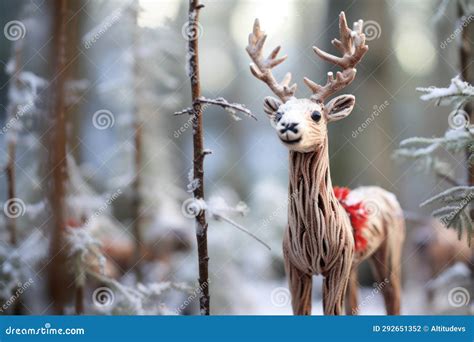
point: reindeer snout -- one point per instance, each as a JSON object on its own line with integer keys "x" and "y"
{"x": 289, "y": 132}
{"x": 284, "y": 127}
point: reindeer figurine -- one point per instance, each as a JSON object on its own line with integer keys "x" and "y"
{"x": 319, "y": 239}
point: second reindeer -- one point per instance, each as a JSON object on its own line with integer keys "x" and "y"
{"x": 328, "y": 233}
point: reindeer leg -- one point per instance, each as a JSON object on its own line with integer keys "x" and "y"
{"x": 301, "y": 285}
{"x": 387, "y": 273}
{"x": 352, "y": 300}
{"x": 335, "y": 285}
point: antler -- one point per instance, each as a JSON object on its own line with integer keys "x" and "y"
{"x": 352, "y": 46}
{"x": 262, "y": 68}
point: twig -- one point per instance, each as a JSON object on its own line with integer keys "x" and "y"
{"x": 238, "y": 226}
{"x": 11, "y": 148}
{"x": 198, "y": 162}
{"x": 188, "y": 110}
{"x": 221, "y": 102}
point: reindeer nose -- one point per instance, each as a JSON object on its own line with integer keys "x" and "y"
{"x": 288, "y": 126}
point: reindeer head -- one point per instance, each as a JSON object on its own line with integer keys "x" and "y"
{"x": 301, "y": 124}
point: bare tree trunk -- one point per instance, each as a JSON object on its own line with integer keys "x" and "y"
{"x": 11, "y": 158}
{"x": 10, "y": 166}
{"x": 79, "y": 300}
{"x": 465, "y": 64}
{"x": 199, "y": 154}
{"x": 57, "y": 161}
{"x": 136, "y": 204}
{"x": 11, "y": 187}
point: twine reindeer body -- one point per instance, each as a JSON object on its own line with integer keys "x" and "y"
{"x": 385, "y": 235}
{"x": 316, "y": 219}
{"x": 319, "y": 238}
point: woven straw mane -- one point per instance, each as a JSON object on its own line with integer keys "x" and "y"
{"x": 319, "y": 229}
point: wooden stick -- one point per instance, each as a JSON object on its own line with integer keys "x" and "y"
{"x": 57, "y": 161}
{"x": 198, "y": 162}
{"x": 138, "y": 137}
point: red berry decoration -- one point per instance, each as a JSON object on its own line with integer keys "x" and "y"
{"x": 357, "y": 214}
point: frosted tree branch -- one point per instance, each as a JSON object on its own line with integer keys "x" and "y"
{"x": 232, "y": 108}
{"x": 457, "y": 93}
{"x": 219, "y": 217}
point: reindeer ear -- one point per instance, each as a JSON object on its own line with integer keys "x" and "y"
{"x": 339, "y": 107}
{"x": 271, "y": 105}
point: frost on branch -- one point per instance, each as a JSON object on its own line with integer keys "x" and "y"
{"x": 423, "y": 151}
{"x": 454, "y": 210}
{"x": 217, "y": 206}
{"x": 457, "y": 94}
{"x": 12, "y": 271}
{"x": 454, "y": 203}
{"x": 232, "y": 108}
{"x": 144, "y": 299}
{"x": 219, "y": 210}
{"x": 16, "y": 263}
{"x": 85, "y": 252}
{"x": 87, "y": 257}
{"x": 193, "y": 182}
{"x": 28, "y": 86}
{"x": 81, "y": 241}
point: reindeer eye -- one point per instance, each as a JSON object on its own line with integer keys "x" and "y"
{"x": 278, "y": 116}
{"x": 316, "y": 116}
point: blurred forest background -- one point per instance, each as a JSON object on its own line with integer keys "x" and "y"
{"x": 129, "y": 246}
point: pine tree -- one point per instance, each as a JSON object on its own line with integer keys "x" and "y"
{"x": 452, "y": 206}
